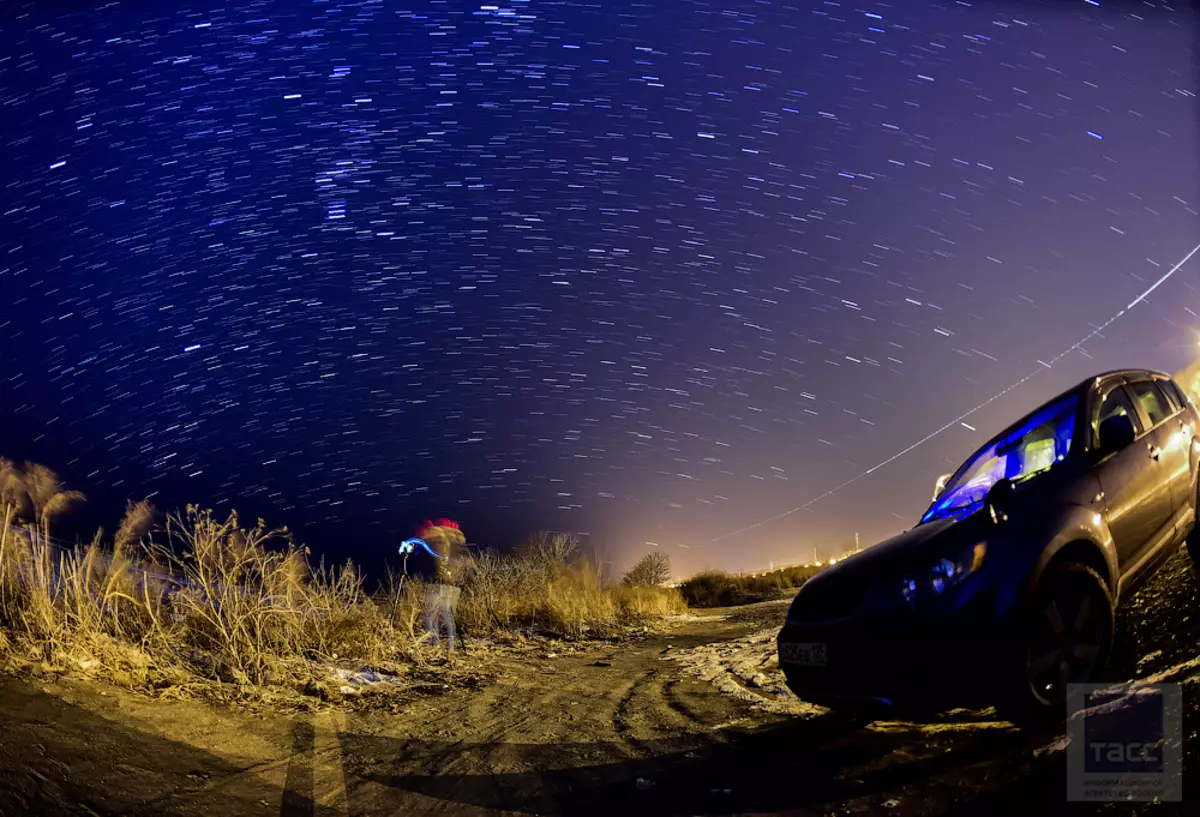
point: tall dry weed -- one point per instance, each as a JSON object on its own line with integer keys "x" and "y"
{"x": 550, "y": 585}
{"x": 212, "y": 598}
{"x": 194, "y": 595}
{"x": 253, "y": 612}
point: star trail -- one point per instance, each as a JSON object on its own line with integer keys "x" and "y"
{"x": 656, "y": 273}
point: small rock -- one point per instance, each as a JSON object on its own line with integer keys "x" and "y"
{"x": 602, "y": 663}
{"x": 891, "y": 803}
{"x": 643, "y": 784}
{"x": 1146, "y": 659}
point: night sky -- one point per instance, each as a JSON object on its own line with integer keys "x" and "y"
{"x": 653, "y": 272}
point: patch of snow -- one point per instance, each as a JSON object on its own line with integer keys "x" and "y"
{"x": 1058, "y": 745}
{"x": 747, "y": 669}
{"x": 1127, "y": 693}
{"x": 1146, "y": 659}
{"x": 1174, "y": 674}
{"x": 355, "y": 680}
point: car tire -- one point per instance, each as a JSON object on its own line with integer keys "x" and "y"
{"x": 1064, "y": 635}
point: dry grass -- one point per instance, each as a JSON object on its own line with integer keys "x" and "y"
{"x": 648, "y": 602}
{"x": 550, "y": 586}
{"x": 193, "y": 598}
{"x": 211, "y": 600}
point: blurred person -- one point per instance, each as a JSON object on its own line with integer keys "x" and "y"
{"x": 444, "y": 538}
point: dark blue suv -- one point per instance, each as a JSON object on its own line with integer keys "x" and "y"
{"x": 1005, "y": 591}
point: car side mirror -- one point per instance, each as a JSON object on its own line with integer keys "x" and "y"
{"x": 999, "y": 499}
{"x": 1116, "y": 432}
{"x": 939, "y": 486}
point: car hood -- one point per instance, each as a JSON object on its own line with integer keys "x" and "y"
{"x": 917, "y": 547}
{"x": 837, "y": 591}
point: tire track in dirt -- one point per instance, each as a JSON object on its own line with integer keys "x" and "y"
{"x": 697, "y": 722}
{"x": 539, "y": 735}
{"x": 447, "y": 752}
{"x": 625, "y": 729}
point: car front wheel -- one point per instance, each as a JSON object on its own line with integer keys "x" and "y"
{"x": 1064, "y": 636}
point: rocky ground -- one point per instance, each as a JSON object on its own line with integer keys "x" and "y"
{"x": 694, "y": 720}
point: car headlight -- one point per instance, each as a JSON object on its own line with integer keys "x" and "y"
{"x": 943, "y": 574}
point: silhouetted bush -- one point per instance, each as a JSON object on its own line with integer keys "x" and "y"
{"x": 716, "y": 588}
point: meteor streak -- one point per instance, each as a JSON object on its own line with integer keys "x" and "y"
{"x": 1042, "y": 366}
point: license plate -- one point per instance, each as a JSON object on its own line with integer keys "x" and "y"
{"x": 811, "y": 654}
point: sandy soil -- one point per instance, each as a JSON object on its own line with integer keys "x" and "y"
{"x": 693, "y": 721}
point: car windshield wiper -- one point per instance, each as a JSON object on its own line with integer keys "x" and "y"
{"x": 1026, "y": 477}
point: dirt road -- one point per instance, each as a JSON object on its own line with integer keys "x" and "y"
{"x": 690, "y": 722}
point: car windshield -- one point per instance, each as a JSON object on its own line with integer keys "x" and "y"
{"x": 1027, "y": 448}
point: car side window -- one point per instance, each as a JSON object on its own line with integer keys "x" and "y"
{"x": 1115, "y": 403}
{"x": 1152, "y": 401}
